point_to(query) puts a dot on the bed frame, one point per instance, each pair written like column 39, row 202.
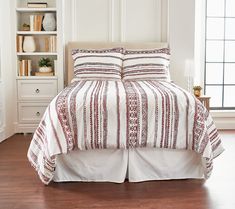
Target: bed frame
column 102, row 45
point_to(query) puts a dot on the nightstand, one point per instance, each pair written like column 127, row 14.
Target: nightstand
column 205, row 100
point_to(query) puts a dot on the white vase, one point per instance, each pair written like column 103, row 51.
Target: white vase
column 45, row 69
column 49, row 23
column 29, row 44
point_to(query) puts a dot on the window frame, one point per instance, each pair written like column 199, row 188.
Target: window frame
column 224, row 40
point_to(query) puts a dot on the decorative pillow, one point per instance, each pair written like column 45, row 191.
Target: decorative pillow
column 98, row 64
column 146, row 64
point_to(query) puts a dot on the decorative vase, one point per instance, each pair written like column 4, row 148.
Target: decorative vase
column 45, row 69
column 29, row 44
column 197, row 93
column 49, row 23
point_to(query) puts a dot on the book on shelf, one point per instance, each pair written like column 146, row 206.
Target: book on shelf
column 25, row 67
column 44, row 74
column 55, row 67
column 37, row 5
column 19, row 43
column 35, row 22
column 50, row 44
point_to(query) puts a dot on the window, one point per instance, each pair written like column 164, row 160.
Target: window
column 220, row 53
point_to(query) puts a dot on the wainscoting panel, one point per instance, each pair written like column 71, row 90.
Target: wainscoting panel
column 112, row 20
column 92, row 19
column 141, row 20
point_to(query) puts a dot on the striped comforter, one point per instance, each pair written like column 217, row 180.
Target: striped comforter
column 123, row 115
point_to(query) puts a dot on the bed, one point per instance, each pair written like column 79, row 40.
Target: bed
column 127, row 128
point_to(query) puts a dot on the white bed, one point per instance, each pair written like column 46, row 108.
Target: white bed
column 137, row 130
column 136, row 165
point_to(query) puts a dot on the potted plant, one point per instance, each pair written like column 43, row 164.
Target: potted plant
column 26, row 27
column 197, row 91
column 45, row 65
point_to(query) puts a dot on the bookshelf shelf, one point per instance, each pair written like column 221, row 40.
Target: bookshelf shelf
column 36, row 77
column 23, row 9
column 36, row 32
column 37, row 53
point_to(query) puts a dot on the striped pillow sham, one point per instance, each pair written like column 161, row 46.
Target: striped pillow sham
column 146, row 64
column 104, row 64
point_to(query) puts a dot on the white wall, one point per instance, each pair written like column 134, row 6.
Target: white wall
column 8, row 78
column 111, row 20
column 181, row 33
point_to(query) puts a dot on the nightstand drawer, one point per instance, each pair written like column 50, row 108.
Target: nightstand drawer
column 31, row 112
column 37, row 89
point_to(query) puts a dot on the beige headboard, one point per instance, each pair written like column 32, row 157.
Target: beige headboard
column 103, row 45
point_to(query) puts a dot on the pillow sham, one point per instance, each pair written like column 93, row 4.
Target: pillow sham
column 92, row 64
column 146, row 64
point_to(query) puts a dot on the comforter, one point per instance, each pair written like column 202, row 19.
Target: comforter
column 122, row 115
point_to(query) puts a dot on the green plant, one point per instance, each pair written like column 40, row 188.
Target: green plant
column 45, row 62
column 26, row 25
column 199, row 88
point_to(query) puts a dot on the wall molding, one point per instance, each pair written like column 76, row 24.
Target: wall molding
column 123, row 20
column 159, row 21
column 74, row 20
column 117, row 23
column 162, row 20
column 111, row 20
column 165, row 29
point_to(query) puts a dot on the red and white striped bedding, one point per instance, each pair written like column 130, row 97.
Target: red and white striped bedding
column 146, row 64
column 123, row 115
column 96, row 64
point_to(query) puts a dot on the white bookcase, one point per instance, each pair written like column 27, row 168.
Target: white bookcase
column 35, row 92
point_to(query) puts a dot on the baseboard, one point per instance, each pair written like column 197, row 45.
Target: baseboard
column 225, row 123
column 2, row 135
column 25, row 128
column 224, row 119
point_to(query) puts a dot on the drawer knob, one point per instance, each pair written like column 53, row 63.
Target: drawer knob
column 38, row 114
column 37, row 91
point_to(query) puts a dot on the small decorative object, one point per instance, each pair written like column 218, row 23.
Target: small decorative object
column 29, row 44
column 45, row 65
column 49, row 23
column 197, row 91
column 25, row 27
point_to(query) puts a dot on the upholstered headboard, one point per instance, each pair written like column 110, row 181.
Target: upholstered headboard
column 103, row 45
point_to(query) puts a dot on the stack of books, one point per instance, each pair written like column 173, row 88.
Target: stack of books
column 36, row 22
column 19, row 43
column 37, row 4
column 25, row 68
column 50, row 44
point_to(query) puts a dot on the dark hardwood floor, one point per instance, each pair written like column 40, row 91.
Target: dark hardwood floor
column 20, row 187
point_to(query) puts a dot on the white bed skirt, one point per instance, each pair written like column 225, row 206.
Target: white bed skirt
column 136, row 165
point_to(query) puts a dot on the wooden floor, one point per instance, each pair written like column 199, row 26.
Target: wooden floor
column 20, row 187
